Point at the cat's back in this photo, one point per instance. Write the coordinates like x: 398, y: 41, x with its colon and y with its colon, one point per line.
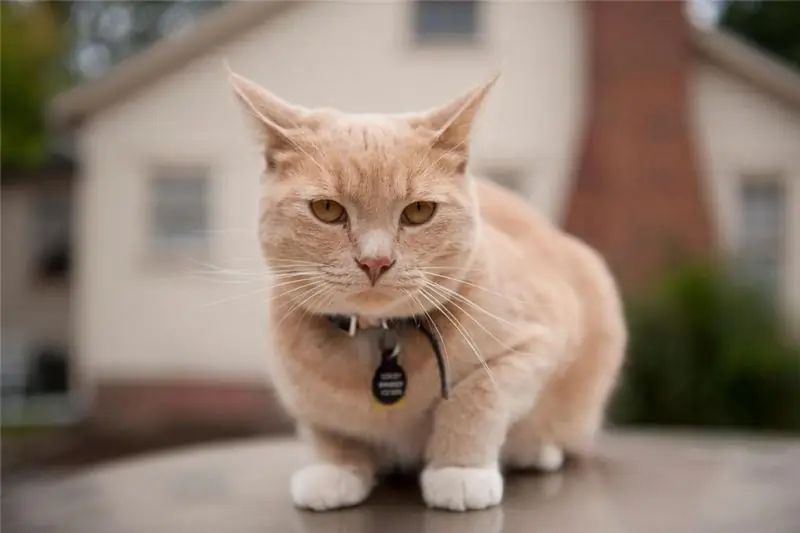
x: 506, y: 213
x: 548, y: 250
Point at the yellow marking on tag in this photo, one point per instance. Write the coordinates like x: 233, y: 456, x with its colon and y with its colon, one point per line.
x: 378, y: 406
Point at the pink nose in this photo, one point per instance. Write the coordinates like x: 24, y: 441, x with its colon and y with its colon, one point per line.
x: 374, y: 267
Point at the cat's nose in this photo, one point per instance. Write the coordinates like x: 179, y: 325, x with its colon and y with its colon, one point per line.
x: 375, y: 267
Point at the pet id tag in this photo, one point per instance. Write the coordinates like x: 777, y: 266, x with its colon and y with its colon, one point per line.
x: 389, y: 380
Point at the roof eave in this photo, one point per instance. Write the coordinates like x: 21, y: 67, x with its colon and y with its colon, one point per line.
x: 69, y: 109
x: 748, y: 62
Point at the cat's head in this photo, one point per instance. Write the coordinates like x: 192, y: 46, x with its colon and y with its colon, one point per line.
x: 361, y: 214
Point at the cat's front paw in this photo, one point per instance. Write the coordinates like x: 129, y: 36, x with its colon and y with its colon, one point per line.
x: 326, y: 486
x: 461, y: 488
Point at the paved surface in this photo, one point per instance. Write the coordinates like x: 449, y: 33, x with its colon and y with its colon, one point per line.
x: 639, y: 483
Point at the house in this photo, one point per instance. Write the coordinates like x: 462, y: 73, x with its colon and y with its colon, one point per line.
x: 598, y: 101
x: 37, y: 293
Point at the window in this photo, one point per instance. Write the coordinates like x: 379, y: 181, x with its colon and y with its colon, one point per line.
x: 446, y: 19
x: 51, y: 237
x: 36, y: 383
x: 762, y: 233
x: 180, y: 211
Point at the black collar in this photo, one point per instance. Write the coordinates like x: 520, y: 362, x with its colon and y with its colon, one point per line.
x: 349, y: 324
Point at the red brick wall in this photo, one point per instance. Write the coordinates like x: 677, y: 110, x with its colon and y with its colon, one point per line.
x: 637, y: 196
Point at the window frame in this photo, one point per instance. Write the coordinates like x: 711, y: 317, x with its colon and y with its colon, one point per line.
x: 744, y: 264
x: 21, y: 407
x: 420, y: 38
x: 41, y: 248
x: 161, y: 247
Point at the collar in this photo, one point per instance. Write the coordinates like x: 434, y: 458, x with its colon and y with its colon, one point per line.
x: 350, y: 325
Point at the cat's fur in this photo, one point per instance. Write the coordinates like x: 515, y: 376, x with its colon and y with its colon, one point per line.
x: 501, y: 284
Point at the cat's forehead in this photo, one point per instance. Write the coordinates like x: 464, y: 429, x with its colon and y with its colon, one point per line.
x: 387, y: 137
x: 369, y: 156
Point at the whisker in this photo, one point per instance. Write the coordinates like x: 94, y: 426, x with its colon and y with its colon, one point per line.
x: 448, y: 293
x: 226, y: 230
x: 445, y: 267
x: 289, y: 270
x: 280, y: 310
x: 290, y: 303
x: 432, y: 322
x: 214, y: 269
x: 229, y: 281
x: 237, y: 297
x: 245, y: 279
x: 441, y: 156
x: 257, y: 114
x: 294, y: 261
x: 466, y: 336
x: 315, y: 282
x: 477, y: 322
x: 253, y: 293
x: 239, y: 272
x: 318, y: 289
x: 479, y: 287
x: 318, y: 299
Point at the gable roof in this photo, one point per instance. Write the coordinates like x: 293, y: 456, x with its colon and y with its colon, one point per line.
x: 168, y: 55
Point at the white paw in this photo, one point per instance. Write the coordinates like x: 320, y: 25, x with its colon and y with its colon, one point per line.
x: 327, y: 486
x: 461, y: 489
x: 550, y: 458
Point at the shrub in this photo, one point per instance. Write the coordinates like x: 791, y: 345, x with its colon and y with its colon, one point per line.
x: 707, y: 351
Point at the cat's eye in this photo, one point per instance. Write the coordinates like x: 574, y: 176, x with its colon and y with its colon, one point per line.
x: 418, y: 213
x: 328, y: 211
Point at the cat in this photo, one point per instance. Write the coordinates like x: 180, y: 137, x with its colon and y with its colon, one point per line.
x: 377, y: 217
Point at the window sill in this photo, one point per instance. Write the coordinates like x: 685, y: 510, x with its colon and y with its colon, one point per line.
x: 470, y: 42
x: 42, y: 410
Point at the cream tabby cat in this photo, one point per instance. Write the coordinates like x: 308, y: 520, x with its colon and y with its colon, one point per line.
x: 376, y: 217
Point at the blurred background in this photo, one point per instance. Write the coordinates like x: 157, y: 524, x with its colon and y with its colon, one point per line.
x: 666, y: 134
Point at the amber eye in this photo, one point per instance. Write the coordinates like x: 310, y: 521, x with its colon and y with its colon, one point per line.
x: 328, y: 211
x: 418, y: 213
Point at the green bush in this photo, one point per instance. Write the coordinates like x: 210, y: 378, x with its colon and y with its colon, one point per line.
x: 707, y: 351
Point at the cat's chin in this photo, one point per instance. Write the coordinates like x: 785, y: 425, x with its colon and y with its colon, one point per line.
x: 376, y: 302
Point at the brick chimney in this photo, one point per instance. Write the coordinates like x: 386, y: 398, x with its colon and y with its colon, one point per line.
x: 637, y: 196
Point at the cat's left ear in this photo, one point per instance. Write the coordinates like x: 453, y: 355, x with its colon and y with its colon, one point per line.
x: 452, y: 123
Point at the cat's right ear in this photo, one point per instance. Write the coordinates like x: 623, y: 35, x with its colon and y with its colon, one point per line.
x: 277, y: 122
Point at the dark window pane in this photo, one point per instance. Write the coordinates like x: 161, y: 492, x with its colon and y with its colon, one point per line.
x: 52, y: 234
x: 436, y: 18
x: 48, y: 372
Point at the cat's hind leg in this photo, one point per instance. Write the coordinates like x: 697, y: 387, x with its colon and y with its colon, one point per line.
x: 569, y: 411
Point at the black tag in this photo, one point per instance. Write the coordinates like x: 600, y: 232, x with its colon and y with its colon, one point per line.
x: 389, y: 381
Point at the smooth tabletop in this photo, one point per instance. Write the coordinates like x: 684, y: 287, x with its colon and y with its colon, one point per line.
x: 638, y: 483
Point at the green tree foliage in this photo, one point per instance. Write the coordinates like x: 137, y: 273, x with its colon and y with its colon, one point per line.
x: 46, y: 45
x: 706, y: 351
x: 773, y: 26
x: 32, y: 41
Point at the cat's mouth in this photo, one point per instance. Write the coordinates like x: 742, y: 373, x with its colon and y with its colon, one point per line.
x: 376, y: 294
x: 374, y: 300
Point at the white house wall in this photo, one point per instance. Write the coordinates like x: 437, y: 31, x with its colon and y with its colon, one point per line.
x: 743, y: 131
x: 141, y: 319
